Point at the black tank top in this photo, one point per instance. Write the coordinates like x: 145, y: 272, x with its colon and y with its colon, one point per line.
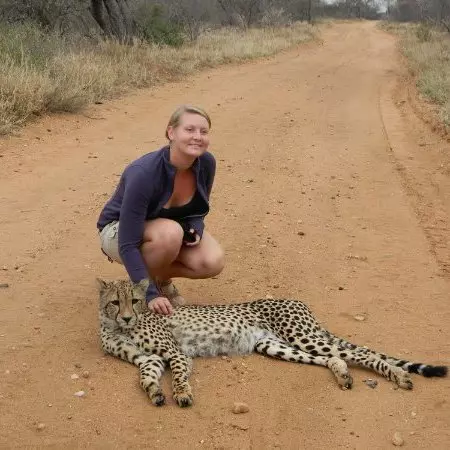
x: 193, y: 207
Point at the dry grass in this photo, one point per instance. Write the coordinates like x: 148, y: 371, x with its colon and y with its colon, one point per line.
x: 42, y: 73
x: 428, y: 53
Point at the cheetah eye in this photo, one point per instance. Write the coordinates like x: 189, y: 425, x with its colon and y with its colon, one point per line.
x: 115, y: 302
x: 134, y: 301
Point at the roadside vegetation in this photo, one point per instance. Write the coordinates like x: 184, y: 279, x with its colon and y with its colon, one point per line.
x: 42, y: 72
x: 427, y: 48
x: 61, y: 55
x: 424, y: 30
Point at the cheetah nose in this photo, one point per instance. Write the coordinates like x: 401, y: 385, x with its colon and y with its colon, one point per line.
x: 127, y: 319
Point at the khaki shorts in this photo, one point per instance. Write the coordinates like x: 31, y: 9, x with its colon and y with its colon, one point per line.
x: 109, y: 241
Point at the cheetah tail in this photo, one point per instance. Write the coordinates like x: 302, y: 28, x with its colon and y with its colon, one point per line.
x: 426, y: 370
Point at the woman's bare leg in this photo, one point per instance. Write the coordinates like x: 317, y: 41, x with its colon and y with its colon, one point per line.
x: 166, y: 258
x: 205, y: 260
x: 162, y: 243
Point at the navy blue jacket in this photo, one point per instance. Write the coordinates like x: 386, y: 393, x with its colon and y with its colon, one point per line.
x: 144, y: 188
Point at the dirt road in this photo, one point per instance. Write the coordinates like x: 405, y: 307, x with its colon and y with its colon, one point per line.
x: 329, y: 189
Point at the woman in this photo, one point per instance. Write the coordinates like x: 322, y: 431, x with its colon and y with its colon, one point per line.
x: 153, y: 223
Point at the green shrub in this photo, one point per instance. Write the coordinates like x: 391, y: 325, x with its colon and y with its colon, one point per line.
x: 159, y: 30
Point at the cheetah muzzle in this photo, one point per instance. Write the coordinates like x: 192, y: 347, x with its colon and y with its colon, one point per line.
x: 284, y: 329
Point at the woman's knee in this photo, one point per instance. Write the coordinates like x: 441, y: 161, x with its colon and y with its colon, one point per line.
x: 165, y: 235
x: 212, y: 264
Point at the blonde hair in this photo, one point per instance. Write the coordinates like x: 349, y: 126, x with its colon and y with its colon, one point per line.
x: 174, y: 120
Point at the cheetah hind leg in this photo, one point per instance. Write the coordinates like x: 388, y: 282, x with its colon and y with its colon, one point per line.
x: 276, y: 348
x: 393, y: 373
x: 362, y: 356
x: 151, y: 368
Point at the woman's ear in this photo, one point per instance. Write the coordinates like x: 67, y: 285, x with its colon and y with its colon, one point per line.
x: 170, y: 132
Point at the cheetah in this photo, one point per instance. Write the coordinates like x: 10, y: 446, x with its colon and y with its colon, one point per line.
x: 284, y: 329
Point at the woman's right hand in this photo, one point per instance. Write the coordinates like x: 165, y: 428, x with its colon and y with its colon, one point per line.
x: 193, y: 238
x: 160, y: 305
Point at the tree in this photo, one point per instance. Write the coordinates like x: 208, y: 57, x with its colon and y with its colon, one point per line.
x: 112, y: 18
x: 191, y: 15
x: 243, y: 13
x: 300, y: 9
x: 442, y: 12
x: 115, y: 19
x: 437, y: 11
x: 48, y: 14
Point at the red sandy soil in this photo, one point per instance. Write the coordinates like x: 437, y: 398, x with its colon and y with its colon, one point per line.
x: 331, y: 188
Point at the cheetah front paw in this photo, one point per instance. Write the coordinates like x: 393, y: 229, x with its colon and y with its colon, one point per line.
x: 340, y: 370
x: 401, y: 378
x: 154, y: 392
x: 345, y: 381
x: 157, y: 398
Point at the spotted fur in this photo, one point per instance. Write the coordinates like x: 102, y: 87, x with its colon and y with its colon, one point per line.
x: 284, y: 329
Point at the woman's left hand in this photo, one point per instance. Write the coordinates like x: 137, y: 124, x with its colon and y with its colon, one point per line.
x: 195, y: 242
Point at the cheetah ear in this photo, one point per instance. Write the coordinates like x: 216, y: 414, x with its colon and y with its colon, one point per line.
x: 143, y: 285
x: 101, y: 284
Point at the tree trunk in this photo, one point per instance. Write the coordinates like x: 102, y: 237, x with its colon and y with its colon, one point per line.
x: 97, y: 10
x: 114, y: 18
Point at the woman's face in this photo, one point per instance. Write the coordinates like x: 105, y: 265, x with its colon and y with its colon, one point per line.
x: 191, y: 136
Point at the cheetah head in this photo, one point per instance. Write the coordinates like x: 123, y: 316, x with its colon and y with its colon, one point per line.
x: 122, y: 301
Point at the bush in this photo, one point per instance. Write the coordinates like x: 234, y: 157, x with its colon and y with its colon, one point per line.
x: 157, y: 29
x: 275, y: 17
x: 423, y: 32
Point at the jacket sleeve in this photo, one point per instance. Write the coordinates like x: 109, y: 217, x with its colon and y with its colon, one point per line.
x: 133, y: 212
x: 210, y: 176
x: 195, y: 223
